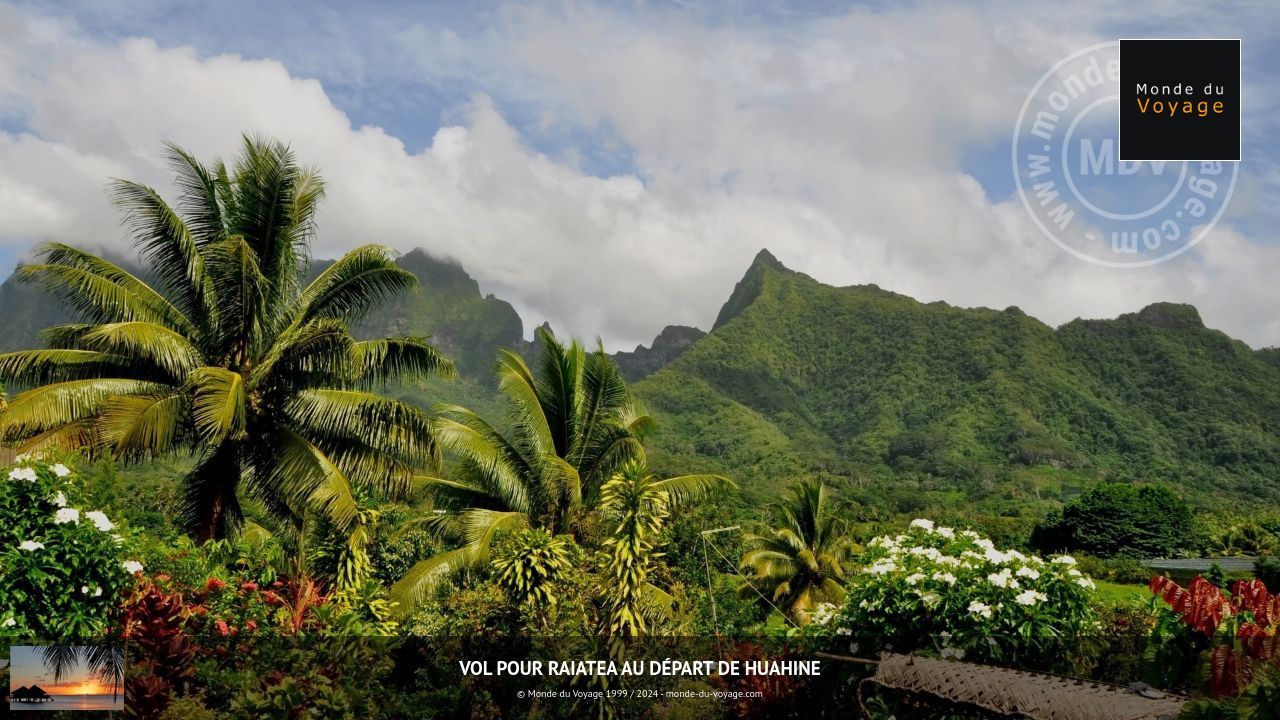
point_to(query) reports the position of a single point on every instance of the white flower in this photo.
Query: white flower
(995, 557)
(1027, 572)
(9, 623)
(23, 473)
(946, 532)
(60, 499)
(945, 577)
(97, 592)
(67, 515)
(969, 534)
(1086, 583)
(882, 567)
(61, 470)
(980, 608)
(1074, 572)
(985, 544)
(844, 631)
(931, 598)
(1030, 597)
(1065, 560)
(84, 589)
(22, 458)
(1015, 555)
(131, 566)
(31, 545)
(1003, 579)
(915, 578)
(926, 525)
(100, 520)
(117, 538)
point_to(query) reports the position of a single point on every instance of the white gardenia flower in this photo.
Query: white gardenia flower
(84, 589)
(1028, 573)
(931, 598)
(945, 577)
(1065, 560)
(97, 592)
(61, 470)
(31, 545)
(915, 578)
(995, 557)
(23, 473)
(1086, 583)
(1030, 597)
(980, 608)
(985, 544)
(926, 525)
(881, 567)
(131, 566)
(60, 499)
(844, 631)
(100, 520)
(946, 532)
(9, 623)
(1002, 579)
(67, 515)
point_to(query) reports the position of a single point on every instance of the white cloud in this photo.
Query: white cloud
(837, 144)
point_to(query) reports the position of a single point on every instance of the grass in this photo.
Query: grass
(1120, 594)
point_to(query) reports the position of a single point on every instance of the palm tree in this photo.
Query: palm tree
(639, 504)
(104, 662)
(229, 356)
(568, 430)
(800, 563)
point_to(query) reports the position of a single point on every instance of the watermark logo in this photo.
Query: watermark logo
(1071, 180)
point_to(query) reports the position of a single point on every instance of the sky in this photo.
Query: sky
(613, 167)
(27, 669)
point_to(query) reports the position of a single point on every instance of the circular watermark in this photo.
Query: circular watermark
(1082, 196)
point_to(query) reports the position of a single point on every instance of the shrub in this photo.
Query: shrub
(1113, 519)
(62, 568)
(1267, 569)
(953, 591)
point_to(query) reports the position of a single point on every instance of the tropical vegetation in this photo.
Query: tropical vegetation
(226, 353)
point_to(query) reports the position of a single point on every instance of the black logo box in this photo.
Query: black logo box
(1185, 67)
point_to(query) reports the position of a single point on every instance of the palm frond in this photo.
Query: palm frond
(53, 406)
(358, 281)
(218, 403)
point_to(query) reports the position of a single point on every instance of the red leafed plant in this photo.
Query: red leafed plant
(1203, 607)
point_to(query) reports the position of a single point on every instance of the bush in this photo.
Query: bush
(934, 588)
(1267, 569)
(1123, 570)
(1113, 519)
(62, 568)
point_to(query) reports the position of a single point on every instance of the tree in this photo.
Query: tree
(638, 503)
(229, 356)
(104, 662)
(1112, 519)
(568, 430)
(800, 563)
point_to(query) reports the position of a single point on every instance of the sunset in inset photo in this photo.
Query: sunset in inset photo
(66, 677)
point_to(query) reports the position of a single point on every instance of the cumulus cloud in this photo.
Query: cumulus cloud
(839, 144)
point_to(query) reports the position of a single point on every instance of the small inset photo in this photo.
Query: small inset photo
(66, 677)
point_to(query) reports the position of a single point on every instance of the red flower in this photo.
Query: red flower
(221, 625)
(277, 584)
(249, 587)
(251, 625)
(214, 584)
(162, 578)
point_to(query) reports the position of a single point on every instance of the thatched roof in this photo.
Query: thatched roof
(1019, 693)
(37, 691)
(22, 692)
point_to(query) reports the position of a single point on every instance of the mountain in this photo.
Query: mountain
(904, 405)
(908, 403)
(670, 344)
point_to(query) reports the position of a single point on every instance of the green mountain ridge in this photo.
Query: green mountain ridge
(900, 401)
(872, 388)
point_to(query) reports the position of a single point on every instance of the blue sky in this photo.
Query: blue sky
(576, 156)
